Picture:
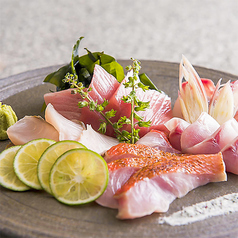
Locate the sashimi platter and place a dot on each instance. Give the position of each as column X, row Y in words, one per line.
column 127, row 148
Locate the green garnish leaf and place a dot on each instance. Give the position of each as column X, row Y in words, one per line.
column 103, row 127
column 146, row 81
column 82, row 104
column 110, row 114
column 115, row 69
column 82, row 68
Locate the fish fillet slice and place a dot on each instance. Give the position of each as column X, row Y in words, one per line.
column 124, row 150
column 154, row 187
column 119, row 172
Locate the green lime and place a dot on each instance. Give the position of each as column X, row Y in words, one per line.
column 78, row 176
column 8, row 178
column 49, row 157
column 26, row 160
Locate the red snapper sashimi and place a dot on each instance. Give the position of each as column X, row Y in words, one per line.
column 119, row 172
column 125, row 150
column 154, row 187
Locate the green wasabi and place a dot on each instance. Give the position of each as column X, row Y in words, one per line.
column 7, row 118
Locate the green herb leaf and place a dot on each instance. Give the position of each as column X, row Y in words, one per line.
column 103, row 127
column 110, row 114
column 115, row 69
column 82, row 67
column 146, row 81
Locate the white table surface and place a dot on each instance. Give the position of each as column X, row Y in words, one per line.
column 40, row 33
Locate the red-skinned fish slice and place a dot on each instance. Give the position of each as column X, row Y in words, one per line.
column 119, row 172
column 125, row 150
column 154, row 187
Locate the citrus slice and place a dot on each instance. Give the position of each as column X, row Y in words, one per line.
column 26, row 159
column 78, row 176
column 49, row 157
column 8, row 178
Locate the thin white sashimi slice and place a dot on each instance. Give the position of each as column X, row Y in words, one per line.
column 157, row 140
column 68, row 130
column 176, row 126
column 226, row 133
column 96, row 141
column 154, row 187
column 119, row 172
column 198, row 131
column 230, row 156
column 30, row 128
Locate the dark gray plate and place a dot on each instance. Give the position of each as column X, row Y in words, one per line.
column 37, row 214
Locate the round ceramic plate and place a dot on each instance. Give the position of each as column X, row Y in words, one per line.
column 38, row 214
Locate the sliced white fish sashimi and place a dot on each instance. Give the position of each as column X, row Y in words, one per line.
column 230, row 156
column 154, row 187
column 176, row 126
column 30, row 128
column 198, row 131
column 223, row 136
column 96, row 141
column 157, row 140
column 68, row 130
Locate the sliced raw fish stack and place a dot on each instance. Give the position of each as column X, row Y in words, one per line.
column 105, row 86
column 230, row 155
column 119, row 172
column 198, row 131
column 58, row 128
column 146, row 181
column 205, row 136
column 154, row 187
column 224, row 135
